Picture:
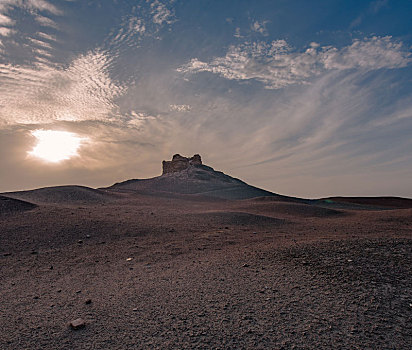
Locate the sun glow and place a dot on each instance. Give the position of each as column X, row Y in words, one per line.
column 55, row 146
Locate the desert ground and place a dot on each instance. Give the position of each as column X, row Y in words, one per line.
column 164, row 270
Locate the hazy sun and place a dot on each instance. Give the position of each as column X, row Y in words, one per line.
column 55, row 146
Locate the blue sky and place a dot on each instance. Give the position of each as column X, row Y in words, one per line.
column 301, row 98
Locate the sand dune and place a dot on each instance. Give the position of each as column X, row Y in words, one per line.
column 64, row 195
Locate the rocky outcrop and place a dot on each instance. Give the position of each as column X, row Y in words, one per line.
column 179, row 163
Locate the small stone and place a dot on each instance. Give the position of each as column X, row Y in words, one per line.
column 129, row 259
column 33, row 252
column 77, row 324
column 78, row 291
column 51, row 267
column 6, row 254
column 59, row 291
column 88, row 301
column 255, row 233
column 135, row 309
column 245, row 265
column 88, row 236
column 36, row 297
column 80, row 241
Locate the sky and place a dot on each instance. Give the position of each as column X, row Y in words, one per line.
column 302, row 98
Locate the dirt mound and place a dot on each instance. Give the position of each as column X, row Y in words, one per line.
column 64, row 195
column 384, row 202
column 11, row 205
column 196, row 179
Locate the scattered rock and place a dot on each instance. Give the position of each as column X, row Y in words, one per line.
column 33, row 252
column 88, row 301
column 80, row 241
column 77, row 324
column 6, row 254
column 78, row 291
column 129, row 259
column 135, row 309
column 88, row 236
column 245, row 265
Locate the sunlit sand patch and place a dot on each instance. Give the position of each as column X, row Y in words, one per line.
column 56, row 146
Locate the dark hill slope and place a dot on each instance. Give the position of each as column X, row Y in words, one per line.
column 11, row 205
column 196, row 179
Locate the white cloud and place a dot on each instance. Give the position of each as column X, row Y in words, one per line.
column 46, row 21
column 43, row 94
column 4, row 20
column 40, row 43
column 180, row 108
column 4, row 31
column 137, row 119
column 46, row 36
column 161, row 14
column 42, row 5
column 276, row 65
column 260, row 27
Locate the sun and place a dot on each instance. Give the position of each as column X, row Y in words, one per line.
column 55, row 146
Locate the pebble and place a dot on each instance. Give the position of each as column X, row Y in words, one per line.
column 245, row 265
column 77, row 323
column 6, row 254
column 88, row 301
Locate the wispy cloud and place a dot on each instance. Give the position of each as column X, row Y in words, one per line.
column 4, row 31
column 161, row 13
column 259, row 27
column 82, row 91
column 45, row 21
column 180, row 108
column 276, row 65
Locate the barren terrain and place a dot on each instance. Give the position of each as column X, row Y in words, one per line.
column 190, row 271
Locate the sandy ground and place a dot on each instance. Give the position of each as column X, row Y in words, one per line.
column 192, row 273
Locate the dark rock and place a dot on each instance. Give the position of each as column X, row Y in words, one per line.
column 77, row 324
column 179, row 163
column 88, row 301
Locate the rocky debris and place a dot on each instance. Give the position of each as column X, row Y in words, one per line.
column 179, row 163
column 78, row 323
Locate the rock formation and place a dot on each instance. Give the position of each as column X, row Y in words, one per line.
column 179, row 163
